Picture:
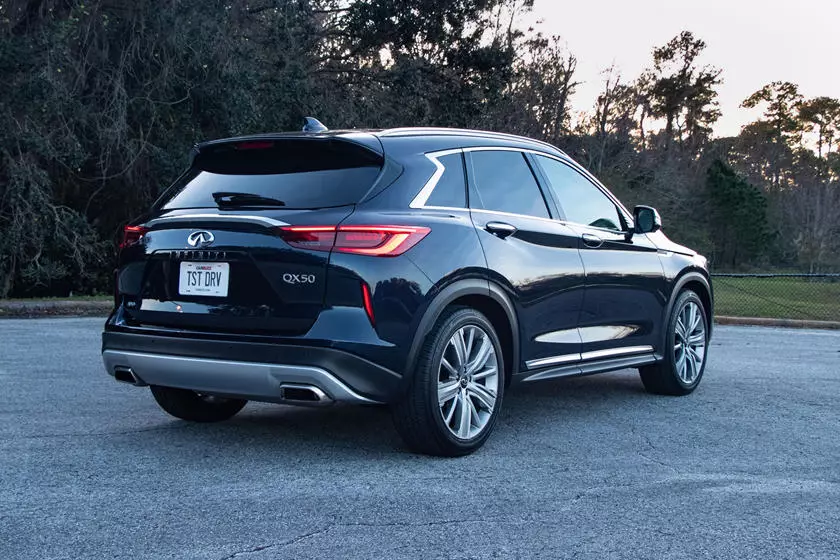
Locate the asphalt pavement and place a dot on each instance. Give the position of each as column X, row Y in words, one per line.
column 746, row 467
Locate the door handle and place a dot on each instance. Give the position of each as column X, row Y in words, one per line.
column 500, row 229
column 592, row 240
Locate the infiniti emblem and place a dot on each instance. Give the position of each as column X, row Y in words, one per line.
column 200, row 239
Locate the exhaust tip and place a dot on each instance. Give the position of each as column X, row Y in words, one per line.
column 126, row 375
column 304, row 395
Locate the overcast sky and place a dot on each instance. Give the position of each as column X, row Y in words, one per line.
column 754, row 42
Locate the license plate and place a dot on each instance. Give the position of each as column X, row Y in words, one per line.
column 204, row 279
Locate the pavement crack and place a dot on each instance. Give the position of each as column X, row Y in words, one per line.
column 657, row 461
column 646, row 439
column 414, row 524
column 283, row 544
column 316, row 532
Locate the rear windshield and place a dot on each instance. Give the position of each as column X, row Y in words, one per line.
column 294, row 174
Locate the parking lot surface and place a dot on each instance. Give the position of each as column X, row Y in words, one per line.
column 746, row 467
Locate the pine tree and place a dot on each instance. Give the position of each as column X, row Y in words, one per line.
column 738, row 213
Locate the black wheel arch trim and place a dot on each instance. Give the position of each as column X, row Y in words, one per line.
column 447, row 295
column 679, row 286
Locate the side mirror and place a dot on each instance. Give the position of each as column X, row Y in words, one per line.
column 646, row 219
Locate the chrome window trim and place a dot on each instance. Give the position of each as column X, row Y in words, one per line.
column 586, row 356
column 449, row 208
column 222, row 217
column 510, row 149
column 493, row 212
column 527, row 216
column 422, row 197
column 419, row 201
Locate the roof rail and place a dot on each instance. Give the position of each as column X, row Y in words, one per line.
column 418, row 131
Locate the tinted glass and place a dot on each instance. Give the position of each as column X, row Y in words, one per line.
column 311, row 189
column 451, row 188
column 581, row 201
column 299, row 174
column 504, row 182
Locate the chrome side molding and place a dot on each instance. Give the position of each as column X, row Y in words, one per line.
column 586, row 356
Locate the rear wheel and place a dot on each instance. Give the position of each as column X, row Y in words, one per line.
column 195, row 407
column 684, row 359
column 457, row 388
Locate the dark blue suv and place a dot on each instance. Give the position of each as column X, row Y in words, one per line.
column 425, row 269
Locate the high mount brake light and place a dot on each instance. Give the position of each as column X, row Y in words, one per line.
column 377, row 241
column 132, row 235
column 256, row 145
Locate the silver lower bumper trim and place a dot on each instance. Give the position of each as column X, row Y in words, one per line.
column 251, row 380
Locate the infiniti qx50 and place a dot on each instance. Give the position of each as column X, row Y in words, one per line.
column 427, row 269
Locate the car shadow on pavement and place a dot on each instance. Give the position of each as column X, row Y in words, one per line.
column 351, row 432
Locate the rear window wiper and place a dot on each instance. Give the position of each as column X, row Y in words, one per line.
column 245, row 199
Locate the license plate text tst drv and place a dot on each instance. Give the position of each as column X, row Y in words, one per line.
column 204, row 279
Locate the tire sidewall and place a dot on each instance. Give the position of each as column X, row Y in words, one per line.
column 458, row 320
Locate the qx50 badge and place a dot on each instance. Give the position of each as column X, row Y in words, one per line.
column 200, row 239
column 299, row 278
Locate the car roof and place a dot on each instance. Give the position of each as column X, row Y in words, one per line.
column 372, row 138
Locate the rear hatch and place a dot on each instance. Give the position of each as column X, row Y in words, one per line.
column 227, row 248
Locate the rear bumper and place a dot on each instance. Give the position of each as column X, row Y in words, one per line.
column 250, row 370
column 250, row 380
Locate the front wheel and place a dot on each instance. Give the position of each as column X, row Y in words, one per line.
column 457, row 388
column 684, row 359
column 195, row 407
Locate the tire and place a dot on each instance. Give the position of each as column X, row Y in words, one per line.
column 192, row 406
column 682, row 365
column 472, row 389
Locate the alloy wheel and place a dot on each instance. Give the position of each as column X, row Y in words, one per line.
column 468, row 382
column 689, row 343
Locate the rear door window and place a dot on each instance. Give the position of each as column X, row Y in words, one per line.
column 292, row 174
column 503, row 181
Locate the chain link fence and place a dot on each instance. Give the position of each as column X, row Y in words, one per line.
column 814, row 297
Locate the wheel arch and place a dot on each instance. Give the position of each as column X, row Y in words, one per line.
column 479, row 294
column 699, row 283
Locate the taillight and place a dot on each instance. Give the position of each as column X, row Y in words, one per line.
column 314, row 238
column 132, row 235
column 377, row 241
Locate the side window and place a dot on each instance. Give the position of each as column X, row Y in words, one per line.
column 581, row 201
column 504, row 182
column 451, row 189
